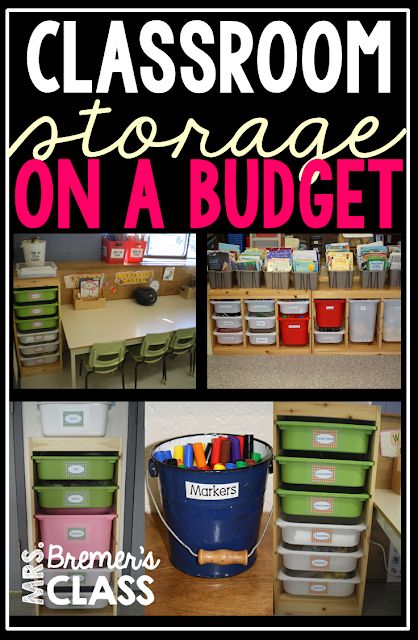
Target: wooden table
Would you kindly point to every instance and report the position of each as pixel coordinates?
(388, 514)
(176, 593)
(123, 320)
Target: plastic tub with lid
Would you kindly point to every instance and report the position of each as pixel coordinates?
(330, 535)
(226, 306)
(314, 558)
(323, 587)
(74, 418)
(261, 339)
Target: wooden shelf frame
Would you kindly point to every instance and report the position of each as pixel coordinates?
(284, 603)
(84, 445)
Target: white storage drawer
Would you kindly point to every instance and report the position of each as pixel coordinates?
(328, 337)
(231, 322)
(46, 347)
(392, 321)
(261, 339)
(229, 338)
(362, 320)
(331, 535)
(88, 577)
(99, 604)
(36, 361)
(315, 558)
(74, 418)
(226, 306)
(291, 307)
(261, 323)
(35, 338)
(323, 587)
(257, 306)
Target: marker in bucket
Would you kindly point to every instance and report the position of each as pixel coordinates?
(241, 464)
(199, 454)
(250, 462)
(179, 454)
(241, 446)
(256, 456)
(235, 449)
(248, 446)
(171, 461)
(225, 451)
(205, 468)
(230, 465)
(216, 451)
(208, 452)
(159, 455)
(219, 467)
(188, 455)
(182, 466)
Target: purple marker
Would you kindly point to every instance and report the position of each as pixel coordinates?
(235, 449)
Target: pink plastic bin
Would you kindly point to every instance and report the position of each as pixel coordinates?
(76, 532)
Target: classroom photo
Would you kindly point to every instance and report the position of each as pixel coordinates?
(104, 311)
(332, 303)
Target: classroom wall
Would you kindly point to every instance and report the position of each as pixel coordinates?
(63, 246)
(164, 420)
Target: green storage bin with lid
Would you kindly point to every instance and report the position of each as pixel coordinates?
(67, 467)
(54, 496)
(37, 324)
(32, 310)
(322, 504)
(343, 473)
(324, 436)
(22, 296)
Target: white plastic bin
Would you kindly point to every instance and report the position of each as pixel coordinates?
(99, 604)
(291, 307)
(74, 418)
(255, 322)
(310, 559)
(46, 347)
(392, 316)
(261, 339)
(323, 587)
(362, 320)
(226, 306)
(232, 322)
(34, 338)
(328, 337)
(88, 577)
(229, 338)
(257, 306)
(36, 361)
(331, 535)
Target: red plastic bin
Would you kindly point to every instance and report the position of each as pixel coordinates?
(113, 251)
(294, 330)
(135, 251)
(329, 313)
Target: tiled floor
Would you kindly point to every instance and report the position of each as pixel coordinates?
(149, 377)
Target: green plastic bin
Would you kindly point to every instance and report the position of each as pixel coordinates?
(37, 324)
(320, 503)
(77, 497)
(324, 436)
(29, 311)
(75, 467)
(22, 296)
(343, 473)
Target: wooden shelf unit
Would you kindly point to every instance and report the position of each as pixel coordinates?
(38, 283)
(83, 445)
(324, 292)
(284, 603)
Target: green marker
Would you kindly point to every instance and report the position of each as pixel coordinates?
(241, 464)
(182, 466)
(256, 456)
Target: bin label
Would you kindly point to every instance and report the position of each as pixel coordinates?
(325, 505)
(37, 310)
(329, 308)
(137, 252)
(200, 491)
(35, 296)
(117, 253)
(363, 308)
(321, 535)
(324, 474)
(75, 498)
(293, 326)
(317, 587)
(325, 439)
(78, 533)
(73, 418)
(319, 563)
(75, 469)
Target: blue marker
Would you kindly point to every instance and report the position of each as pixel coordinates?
(230, 465)
(188, 455)
(159, 455)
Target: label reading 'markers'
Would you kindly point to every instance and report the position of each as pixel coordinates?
(199, 491)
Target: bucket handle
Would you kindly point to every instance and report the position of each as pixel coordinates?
(206, 556)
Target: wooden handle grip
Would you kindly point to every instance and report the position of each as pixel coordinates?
(222, 556)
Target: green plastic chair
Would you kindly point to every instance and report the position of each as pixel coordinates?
(104, 358)
(184, 341)
(153, 349)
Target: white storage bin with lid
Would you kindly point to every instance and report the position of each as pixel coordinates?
(261, 323)
(264, 306)
(392, 316)
(74, 418)
(34, 349)
(36, 360)
(328, 337)
(88, 577)
(331, 535)
(229, 338)
(99, 604)
(225, 322)
(293, 307)
(312, 559)
(226, 306)
(323, 587)
(35, 338)
(362, 320)
(260, 339)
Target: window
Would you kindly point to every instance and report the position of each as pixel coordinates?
(181, 246)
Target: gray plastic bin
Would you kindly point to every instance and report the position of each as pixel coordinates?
(306, 281)
(362, 320)
(392, 316)
(249, 279)
(341, 279)
(220, 279)
(373, 279)
(395, 278)
(277, 280)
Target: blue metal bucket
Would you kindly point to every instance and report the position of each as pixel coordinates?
(212, 510)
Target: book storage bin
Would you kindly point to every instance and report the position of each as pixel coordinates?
(74, 418)
(314, 558)
(76, 532)
(395, 279)
(362, 320)
(341, 279)
(220, 279)
(331, 535)
(277, 280)
(373, 279)
(306, 281)
(322, 503)
(249, 279)
(228, 322)
(75, 496)
(392, 317)
(301, 435)
(76, 467)
(318, 471)
(305, 584)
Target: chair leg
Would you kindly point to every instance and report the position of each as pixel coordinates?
(123, 377)
(190, 363)
(81, 366)
(164, 379)
(194, 361)
(86, 379)
(136, 375)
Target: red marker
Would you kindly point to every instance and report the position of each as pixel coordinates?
(241, 446)
(216, 451)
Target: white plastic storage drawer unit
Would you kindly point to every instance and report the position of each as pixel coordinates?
(362, 320)
(294, 307)
(318, 586)
(39, 360)
(74, 418)
(260, 306)
(316, 558)
(268, 323)
(229, 338)
(331, 535)
(226, 306)
(392, 321)
(42, 348)
(261, 339)
(228, 322)
(38, 338)
(328, 337)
